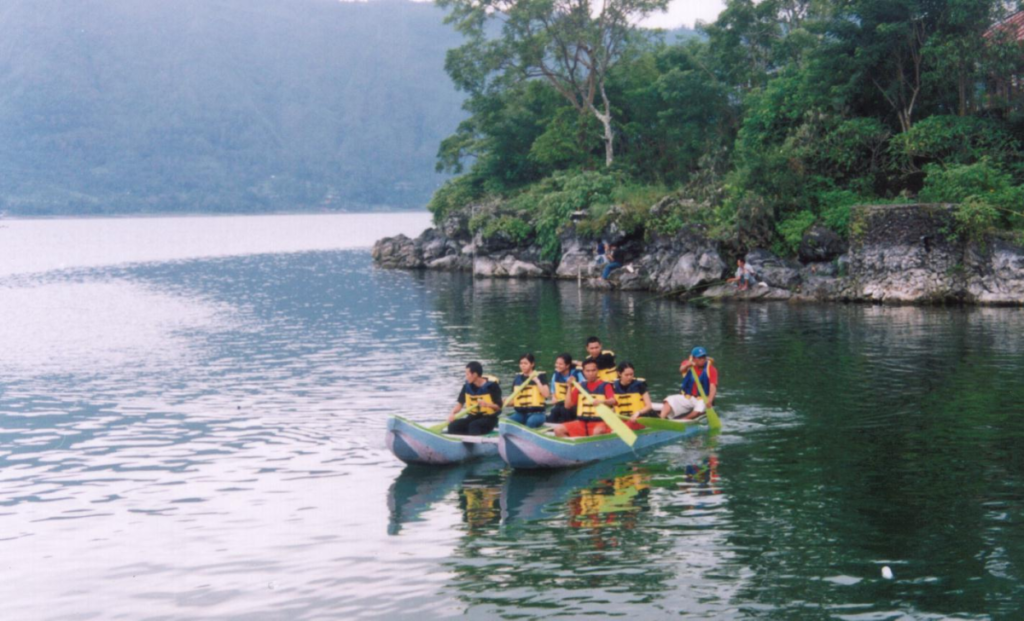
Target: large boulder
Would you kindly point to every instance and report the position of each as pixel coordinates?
(578, 256)
(510, 266)
(398, 252)
(676, 262)
(774, 271)
(455, 226)
(494, 244)
(515, 263)
(820, 244)
(431, 250)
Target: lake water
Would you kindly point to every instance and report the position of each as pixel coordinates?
(192, 419)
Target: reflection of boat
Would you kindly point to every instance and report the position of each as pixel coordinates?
(418, 488)
(416, 444)
(522, 447)
(529, 495)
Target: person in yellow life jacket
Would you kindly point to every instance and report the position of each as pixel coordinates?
(587, 422)
(564, 373)
(529, 402)
(604, 358)
(482, 398)
(632, 398)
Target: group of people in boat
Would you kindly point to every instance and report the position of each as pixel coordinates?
(576, 390)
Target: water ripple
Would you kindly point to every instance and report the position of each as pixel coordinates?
(203, 439)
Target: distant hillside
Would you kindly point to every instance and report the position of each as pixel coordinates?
(221, 105)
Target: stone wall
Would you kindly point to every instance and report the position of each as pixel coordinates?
(905, 253)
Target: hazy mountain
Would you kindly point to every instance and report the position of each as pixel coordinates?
(220, 105)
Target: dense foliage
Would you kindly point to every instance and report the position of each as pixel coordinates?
(782, 115)
(234, 105)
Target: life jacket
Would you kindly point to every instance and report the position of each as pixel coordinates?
(475, 396)
(586, 409)
(482, 505)
(529, 397)
(629, 400)
(608, 375)
(686, 388)
(560, 385)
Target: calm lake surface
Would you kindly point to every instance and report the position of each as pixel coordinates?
(192, 419)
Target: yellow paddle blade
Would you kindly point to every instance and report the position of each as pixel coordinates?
(714, 423)
(612, 419)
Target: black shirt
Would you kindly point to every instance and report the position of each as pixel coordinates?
(490, 388)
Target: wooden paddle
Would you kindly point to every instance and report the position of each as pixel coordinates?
(438, 428)
(609, 417)
(714, 422)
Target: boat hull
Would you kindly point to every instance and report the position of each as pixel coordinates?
(416, 444)
(527, 449)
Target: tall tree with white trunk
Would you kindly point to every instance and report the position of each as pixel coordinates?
(571, 44)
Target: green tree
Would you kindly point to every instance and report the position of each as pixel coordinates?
(571, 44)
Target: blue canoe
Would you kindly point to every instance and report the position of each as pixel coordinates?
(416, 444)
(525, 448)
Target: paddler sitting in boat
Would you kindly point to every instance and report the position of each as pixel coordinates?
(481, 398)
(587, 422)
(604, 358)
(631, 396)
(564, 373)
(528, 401)
(689, 404)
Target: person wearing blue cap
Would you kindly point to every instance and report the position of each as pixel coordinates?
(689, 403)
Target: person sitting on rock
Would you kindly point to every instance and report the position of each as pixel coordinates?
(744, 276)
(601, 258)
(614, 261)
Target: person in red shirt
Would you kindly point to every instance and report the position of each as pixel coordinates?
(587, 422)
(688, 404)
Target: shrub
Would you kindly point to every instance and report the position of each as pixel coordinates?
(974, 217)
(792, 230)
(517, 229)
(954, 140)
(835, 209)
(551, 202)
(452, 196)
(986, 196)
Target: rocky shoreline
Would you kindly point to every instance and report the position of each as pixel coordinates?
(897, 254)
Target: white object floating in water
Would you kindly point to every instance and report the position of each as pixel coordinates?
(887, 573)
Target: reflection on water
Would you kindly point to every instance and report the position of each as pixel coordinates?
(203, 439)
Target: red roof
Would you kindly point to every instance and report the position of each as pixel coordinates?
(1012, 25)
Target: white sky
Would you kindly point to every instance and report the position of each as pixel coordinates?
(685, 13)
(680, 13)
